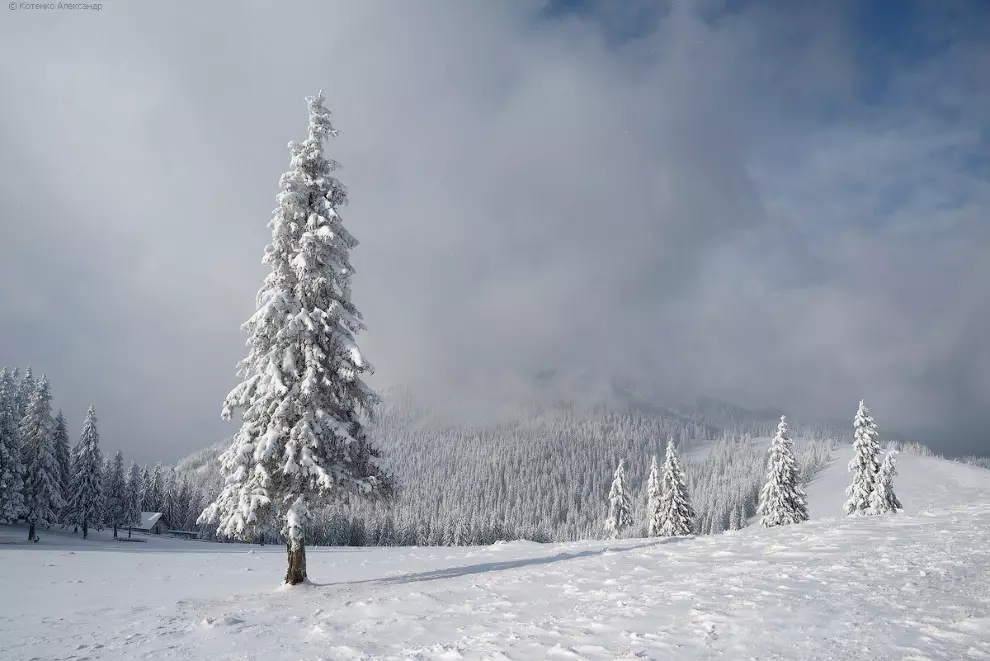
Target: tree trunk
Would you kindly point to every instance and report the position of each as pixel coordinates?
(85, 529)
(115, 532)
(296, 572)
(128, 533)
(31, 532)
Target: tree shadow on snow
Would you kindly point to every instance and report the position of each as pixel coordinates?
(486, 567)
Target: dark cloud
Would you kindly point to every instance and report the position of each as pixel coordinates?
(714, 202)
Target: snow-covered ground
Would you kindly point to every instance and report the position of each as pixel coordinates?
(911, 586)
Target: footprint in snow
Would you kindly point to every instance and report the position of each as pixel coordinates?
(223, 621)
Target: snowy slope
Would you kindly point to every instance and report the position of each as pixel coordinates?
(922, 484)
(911, 586)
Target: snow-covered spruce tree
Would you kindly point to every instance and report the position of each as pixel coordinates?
(865, 463)
(170, 493)
(676, 515)
(62, 457)
(134, 494)
(619, 505)
(145, 487)
(653, 499)
(883, 500)
(42, 489)
(180, 502)
(24, 386)
(734, 519)
(11, 454)
(25, 391)
(86, 499)
(115, 494)
(782, 500)
(155, 487)
(105, 474)
(302, 439)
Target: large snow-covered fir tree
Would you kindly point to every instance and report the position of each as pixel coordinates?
(303, 399)
(11, 452)
(63, 452)
(865, 463)
(42, 477)
(675, 513)
(133, 495)
(883, 500)
(782, 501)
(86, 498)
(116, 508)
(653, 492)
(619, 505)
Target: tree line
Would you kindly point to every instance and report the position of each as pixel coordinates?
(536, 473)
(539, 471)
(781, 499)
(44, 481)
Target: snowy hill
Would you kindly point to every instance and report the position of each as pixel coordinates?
(910, 586)
(923, 484)
(536, 461)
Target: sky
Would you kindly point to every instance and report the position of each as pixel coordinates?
(774, 203)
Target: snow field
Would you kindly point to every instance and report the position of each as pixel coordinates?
(910, 586)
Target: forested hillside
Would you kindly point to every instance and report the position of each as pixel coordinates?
(539, 467)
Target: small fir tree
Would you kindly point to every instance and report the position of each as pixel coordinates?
(25, 391)
(865, 463)
(734, 519)
(653, 492)
(115, 494)
(619, 505)
(883, 500)
(135, 492)
(154, 496)
(782, 501)
(145, 488)
(676, 513)
(63, 454)
(86, 502)
(170, 494)
(42, 491)
(11, 452)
